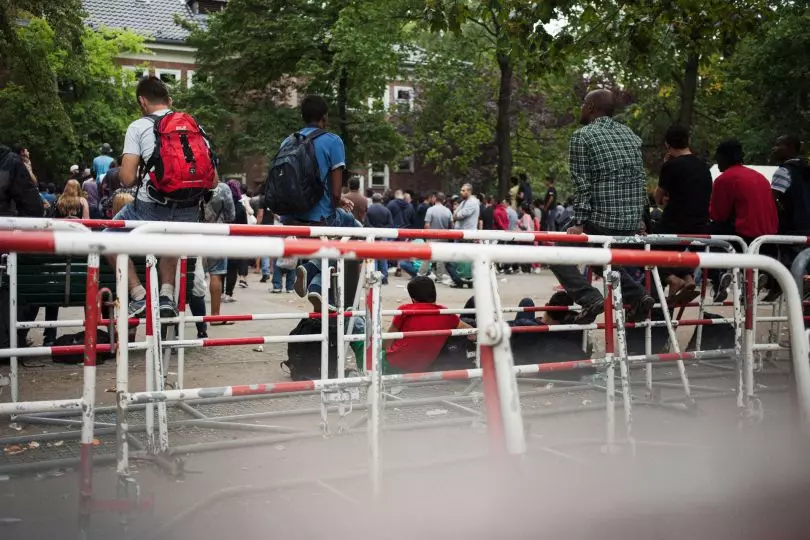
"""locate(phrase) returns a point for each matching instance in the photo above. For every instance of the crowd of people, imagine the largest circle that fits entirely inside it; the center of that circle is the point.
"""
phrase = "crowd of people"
(608, 179)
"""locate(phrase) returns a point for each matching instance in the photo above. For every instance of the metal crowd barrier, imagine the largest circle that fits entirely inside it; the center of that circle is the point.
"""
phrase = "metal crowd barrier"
(503, 411)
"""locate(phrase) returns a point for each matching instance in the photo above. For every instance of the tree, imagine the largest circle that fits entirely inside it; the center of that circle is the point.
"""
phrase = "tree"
(267, 51)
(62, 93)
(521, 46)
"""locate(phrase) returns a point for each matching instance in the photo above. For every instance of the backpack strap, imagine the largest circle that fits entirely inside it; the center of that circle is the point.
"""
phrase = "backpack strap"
(147, 166)
(313, 135)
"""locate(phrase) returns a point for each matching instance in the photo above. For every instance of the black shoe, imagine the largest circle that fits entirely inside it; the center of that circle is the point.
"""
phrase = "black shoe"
(243, 284)
(721, 293)
(590, 312)
(638, 311)
(202, 335)
(167, 308)
(772, 296)
(265, 278)
(301, 281)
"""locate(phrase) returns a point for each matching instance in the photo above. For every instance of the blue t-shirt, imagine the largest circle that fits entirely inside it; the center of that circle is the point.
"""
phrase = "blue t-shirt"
(100, 166)
(331, 155)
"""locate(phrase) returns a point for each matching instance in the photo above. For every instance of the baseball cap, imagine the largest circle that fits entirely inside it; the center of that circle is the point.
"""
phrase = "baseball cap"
(74, 168)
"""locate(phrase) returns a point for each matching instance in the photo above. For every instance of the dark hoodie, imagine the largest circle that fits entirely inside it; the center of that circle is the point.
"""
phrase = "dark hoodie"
(18, 194)
(402, 213)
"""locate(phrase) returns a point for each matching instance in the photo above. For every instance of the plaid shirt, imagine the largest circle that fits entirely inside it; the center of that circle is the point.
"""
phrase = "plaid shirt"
(608, 176)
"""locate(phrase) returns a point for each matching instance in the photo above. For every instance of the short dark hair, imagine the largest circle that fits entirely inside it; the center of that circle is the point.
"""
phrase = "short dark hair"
(523, 177)
(792, 142)
(422, 289)
(152, 90)
(550, 179)
(354, 183)
(730, 151)
(677, 137)
(313, 109)
(514, 180)
(560, 298)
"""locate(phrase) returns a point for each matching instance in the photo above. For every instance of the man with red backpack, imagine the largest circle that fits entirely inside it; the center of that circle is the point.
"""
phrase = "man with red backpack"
(168, 157)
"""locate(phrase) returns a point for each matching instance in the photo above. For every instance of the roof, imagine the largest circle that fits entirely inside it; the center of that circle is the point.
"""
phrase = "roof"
(153, 19)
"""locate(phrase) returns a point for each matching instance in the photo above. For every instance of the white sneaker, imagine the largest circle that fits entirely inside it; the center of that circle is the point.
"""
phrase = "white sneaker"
(538, 270)
(447, 281)
(433, 276)
(228, 299)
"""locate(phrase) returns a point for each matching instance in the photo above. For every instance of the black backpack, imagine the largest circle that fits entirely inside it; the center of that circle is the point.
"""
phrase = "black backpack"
(715, 337)
(293, 183)
(304, 359)
(102, 338)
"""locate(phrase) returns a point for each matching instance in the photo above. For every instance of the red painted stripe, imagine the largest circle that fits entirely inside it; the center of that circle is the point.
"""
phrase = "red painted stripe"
(492, 401)
(629, 257)
(181, 294)
(64, 350)
(27, 241)
(102, 223)
(148, 286)
(749, 298)
(361, 250)
(428, 234)
(564, 366)
(221, 342)
(369, 322)
(91, 316)
(564, 238)
(220, 318)
(610, 346)
(274, 388)
(268, 230)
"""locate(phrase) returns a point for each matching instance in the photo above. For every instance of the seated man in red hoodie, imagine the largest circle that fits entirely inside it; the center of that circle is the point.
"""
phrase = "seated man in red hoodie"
(417, 354)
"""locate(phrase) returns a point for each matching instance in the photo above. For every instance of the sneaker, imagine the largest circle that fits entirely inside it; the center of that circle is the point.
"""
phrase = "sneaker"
(301, 281)
(721, 293)
(136, 307)
(167, 307)
(433, 276)
(590, 312)
(638, 311)
(202, 335)
(275, 291)
(447, 281)
(398, 272)
(228, 299)
(265, 278)
(538, 270)
(289, 291)
(772, 296)
(242, 283)
(317, 302)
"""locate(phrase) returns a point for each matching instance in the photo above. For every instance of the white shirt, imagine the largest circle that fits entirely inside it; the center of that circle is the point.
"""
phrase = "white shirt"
(140, 141)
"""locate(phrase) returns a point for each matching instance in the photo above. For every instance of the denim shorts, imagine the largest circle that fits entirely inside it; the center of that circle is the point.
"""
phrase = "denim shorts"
(215, 266)
(146, 211)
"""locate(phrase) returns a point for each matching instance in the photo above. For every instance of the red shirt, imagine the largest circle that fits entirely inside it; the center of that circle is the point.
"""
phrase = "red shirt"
(500, 218)
(745, 194)
(416, 354)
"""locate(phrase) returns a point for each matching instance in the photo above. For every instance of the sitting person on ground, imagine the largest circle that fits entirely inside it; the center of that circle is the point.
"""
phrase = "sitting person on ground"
(417, 354)
(153, 161)
(411, 267)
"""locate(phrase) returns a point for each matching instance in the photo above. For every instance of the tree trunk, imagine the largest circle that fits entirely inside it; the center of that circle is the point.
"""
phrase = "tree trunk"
(503, 127)
(343, 112)
(689, 90)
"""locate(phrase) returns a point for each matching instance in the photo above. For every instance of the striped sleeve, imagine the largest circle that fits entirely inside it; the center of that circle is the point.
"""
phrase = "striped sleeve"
(781, 180)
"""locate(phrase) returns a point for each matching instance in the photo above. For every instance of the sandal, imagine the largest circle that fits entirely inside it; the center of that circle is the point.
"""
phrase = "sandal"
(222, 323)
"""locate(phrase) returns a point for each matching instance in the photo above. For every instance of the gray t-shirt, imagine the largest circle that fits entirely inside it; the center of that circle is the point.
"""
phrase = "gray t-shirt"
(467, 214)
(140, 141)
(438, 217)
(513, 218)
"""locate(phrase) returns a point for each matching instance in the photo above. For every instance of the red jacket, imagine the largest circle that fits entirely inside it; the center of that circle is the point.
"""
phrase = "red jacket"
(500, 218)
(746, 195)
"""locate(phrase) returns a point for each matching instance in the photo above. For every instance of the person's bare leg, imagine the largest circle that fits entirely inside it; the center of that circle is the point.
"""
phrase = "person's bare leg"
(132, 277)
(167, 268)
(215, 288)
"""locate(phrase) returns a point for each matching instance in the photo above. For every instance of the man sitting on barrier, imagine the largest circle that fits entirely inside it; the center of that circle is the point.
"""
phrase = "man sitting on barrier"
(417, 354)
(333, 209)
(160, 178)
(610, 185)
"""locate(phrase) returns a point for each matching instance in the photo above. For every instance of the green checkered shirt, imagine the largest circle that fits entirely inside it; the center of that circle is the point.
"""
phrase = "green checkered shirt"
(608, 175)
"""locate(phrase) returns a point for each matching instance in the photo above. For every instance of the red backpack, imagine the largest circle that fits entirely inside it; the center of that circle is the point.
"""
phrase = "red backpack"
(182, 164)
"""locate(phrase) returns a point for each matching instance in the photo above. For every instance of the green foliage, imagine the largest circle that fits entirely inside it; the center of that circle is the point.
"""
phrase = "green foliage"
(64, 94)
(261, 53)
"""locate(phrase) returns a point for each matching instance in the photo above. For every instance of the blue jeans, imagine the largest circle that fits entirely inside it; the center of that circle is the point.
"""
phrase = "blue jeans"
(146, 211)
(265, 262)
(289, 280)
(197, 306)
(409, 268)
(340, 218)
(382, 267)
(451, 271)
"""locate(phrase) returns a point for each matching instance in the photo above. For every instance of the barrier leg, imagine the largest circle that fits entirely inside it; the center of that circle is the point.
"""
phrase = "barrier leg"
(747, 342)
(504, 420)
(701, 304)
(610, 371)
(373, 361)
(621, 342)
(648, 369)
(149, 355)
(122, 375)
(157, 359)
(740, 360)
(180, 293)
(673, 338)
(88, 396)
(341, 321)
(14, 365)
(326, 279)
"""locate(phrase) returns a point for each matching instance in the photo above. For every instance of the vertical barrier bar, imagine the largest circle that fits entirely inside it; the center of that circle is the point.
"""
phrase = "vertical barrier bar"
(369, 273)
(122, 372)
(375, 398)
(180, 289)
(648, 369)
(701, 304)
(341, 321)
(14, 365)
(149, 369)
(673, 338)
(157, 356)
(88, 395)
(610, 370)
(621, 340)
(326, 279)
(739, 358)
(504, 419)
(748, 336)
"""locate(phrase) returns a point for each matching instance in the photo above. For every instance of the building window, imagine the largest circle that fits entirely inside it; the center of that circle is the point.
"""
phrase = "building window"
(378, 173)
(169, 76)
(403, 97)
(405, 165)
(137, 71)
(189, 79)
